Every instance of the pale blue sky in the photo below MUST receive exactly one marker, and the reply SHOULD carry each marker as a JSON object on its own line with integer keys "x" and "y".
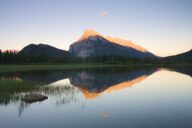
{"x": 164, "y": 27}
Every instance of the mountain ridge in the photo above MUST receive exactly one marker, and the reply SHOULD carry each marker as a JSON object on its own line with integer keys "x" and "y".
{"x": 185, "y": 57}
{"x": 92, "y": 43}
{"x": 43, "y": 49}
{"x": 90, "y": 32}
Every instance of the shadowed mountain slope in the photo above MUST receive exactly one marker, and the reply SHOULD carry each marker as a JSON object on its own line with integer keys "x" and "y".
{"x": 42, "y": 49}
{"x": 92, "y": 43}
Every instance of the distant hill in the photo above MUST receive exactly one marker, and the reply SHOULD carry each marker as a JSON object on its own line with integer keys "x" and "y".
{"x": 185, "y": 57}
{"x": 42, "y": 49}
{"x": 94, "y": 44}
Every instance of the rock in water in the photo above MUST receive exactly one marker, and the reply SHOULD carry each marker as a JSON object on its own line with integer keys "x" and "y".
{"x": 34, "y": 97}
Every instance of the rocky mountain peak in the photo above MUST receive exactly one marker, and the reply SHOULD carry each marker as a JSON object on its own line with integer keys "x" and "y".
{"x": 89, "y": 33}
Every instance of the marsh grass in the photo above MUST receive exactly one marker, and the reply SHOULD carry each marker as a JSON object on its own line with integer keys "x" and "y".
{"x": 13, "y": 86}
{"x": 10, "y": 90}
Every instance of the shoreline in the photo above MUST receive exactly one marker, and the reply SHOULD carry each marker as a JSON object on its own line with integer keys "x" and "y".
{"x": 30, "y": 67}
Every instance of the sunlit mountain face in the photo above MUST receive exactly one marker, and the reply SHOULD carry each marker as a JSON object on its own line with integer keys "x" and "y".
{"x": 91, "y": 33}
{"x": 92, "y": 44}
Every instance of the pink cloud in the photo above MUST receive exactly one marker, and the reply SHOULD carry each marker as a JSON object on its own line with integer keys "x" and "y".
{"x": 104, "y": 13}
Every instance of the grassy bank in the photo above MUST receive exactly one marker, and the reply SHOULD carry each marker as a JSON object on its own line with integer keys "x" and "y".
{"x": 10, "y": 90}
{"x": 14, "y": 86}
{"x": 14, "y": 68}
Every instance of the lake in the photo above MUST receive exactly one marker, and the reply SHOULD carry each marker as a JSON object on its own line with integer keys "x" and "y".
{"x": 142, "y": 97}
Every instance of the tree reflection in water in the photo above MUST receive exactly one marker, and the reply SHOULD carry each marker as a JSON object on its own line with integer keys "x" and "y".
{"x": 64, "y": 87}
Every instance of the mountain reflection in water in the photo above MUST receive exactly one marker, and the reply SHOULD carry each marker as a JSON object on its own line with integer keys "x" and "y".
{"x": 94, "y": 83}
{"x": 64, "y": 86}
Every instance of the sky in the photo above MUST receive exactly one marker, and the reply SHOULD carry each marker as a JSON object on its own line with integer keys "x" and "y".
{"x": 163, "y": 27}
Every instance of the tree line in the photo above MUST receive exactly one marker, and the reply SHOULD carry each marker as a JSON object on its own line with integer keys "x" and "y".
{"x": 13, "y": 57}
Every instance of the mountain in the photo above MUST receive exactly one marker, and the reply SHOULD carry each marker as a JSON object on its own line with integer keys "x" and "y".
{"x": 187, "y": 54}
{"x": 42, "y": 49}
{"x": 93, "y": 43}
{"x": 185, "y": 57}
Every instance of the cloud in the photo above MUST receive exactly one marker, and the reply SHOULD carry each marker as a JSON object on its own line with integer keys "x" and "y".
{"x": 104, "y": 13}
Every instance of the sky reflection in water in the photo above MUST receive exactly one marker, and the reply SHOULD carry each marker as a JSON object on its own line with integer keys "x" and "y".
{"x": 141, "y": 97}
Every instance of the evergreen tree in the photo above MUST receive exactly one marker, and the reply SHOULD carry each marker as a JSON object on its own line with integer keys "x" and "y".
{"x": 0, "y": 56}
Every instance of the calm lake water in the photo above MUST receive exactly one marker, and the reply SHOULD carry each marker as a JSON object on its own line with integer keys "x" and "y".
{"x": 99, "y": 98}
